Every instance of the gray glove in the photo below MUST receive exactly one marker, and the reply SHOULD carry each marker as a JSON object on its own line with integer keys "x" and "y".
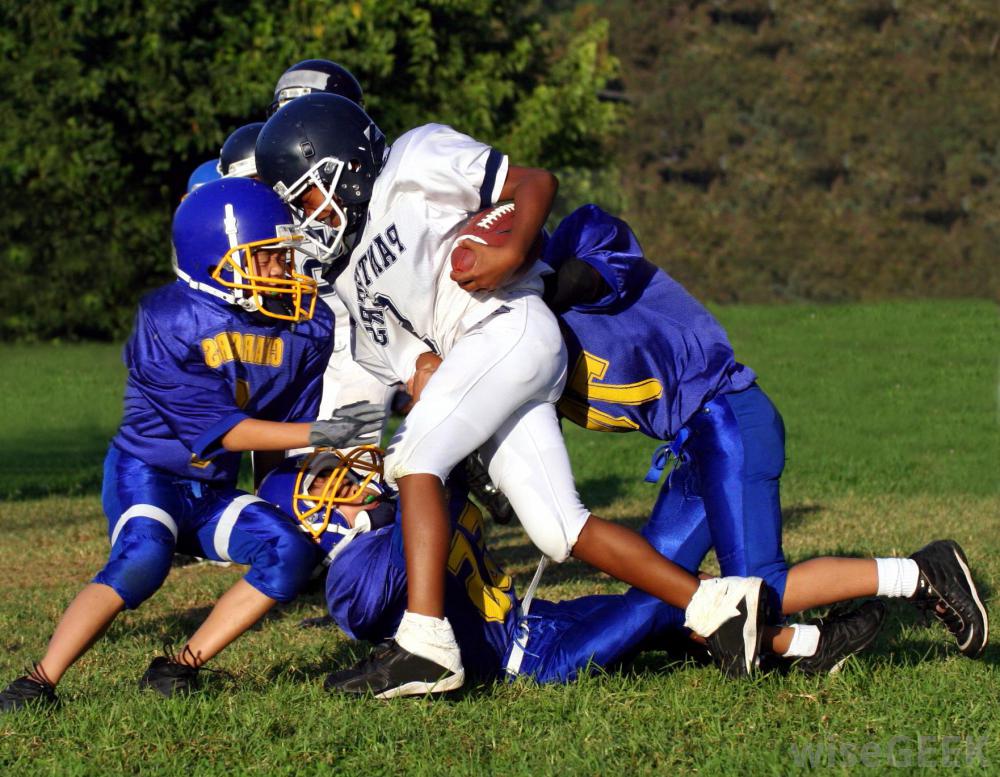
{"x": 354, "y": 424}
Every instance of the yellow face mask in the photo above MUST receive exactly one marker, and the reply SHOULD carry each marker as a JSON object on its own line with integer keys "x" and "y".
{"x": 295, "y": 293}
{"x": 328, "y": 478}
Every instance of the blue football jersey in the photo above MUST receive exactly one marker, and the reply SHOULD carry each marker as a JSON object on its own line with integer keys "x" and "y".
{"x": 366, "y": 589}
{"x": 198, "y": 366}
{"x": 647, "y": 355}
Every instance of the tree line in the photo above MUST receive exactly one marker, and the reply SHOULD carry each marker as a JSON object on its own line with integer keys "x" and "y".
{"x": 763, "y": 151}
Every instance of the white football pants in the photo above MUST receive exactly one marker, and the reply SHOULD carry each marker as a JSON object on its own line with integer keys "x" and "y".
{"x": 496, "y": 390}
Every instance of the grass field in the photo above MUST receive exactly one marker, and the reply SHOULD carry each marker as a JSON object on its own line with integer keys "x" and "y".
{"x": 893, "y": 440}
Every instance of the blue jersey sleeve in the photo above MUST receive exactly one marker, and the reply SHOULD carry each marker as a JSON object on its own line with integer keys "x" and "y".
{"x": 605, "y": 243}
{"x": 194, "y": 401}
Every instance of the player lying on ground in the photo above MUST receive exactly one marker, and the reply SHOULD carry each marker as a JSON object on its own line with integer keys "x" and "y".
{"x": 648, "y": 357}
{"x": 351, "y": 514}
{"x": 504, "y": 360}
{"x": 227, "y": 358}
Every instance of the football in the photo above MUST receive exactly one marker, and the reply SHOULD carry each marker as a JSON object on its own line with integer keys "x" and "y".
{"x": 490, "y": 226}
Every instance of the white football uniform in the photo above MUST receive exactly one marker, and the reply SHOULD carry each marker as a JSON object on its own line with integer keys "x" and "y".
{"x": 504, "y": 359}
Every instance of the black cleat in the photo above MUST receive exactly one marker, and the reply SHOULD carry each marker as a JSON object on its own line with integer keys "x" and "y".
{"x": 946, "y": 587}
{"x": 735, "y": 645}
{"x": 485, "y": 492}
{"x": 26, "y": 691}
{"x": 170, "y": 678}
{"x": 392, "y": 671}
{"x": 842, "y": 636}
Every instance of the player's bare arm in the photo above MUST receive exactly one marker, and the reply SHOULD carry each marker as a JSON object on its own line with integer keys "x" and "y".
{"x": 532, "y": 190}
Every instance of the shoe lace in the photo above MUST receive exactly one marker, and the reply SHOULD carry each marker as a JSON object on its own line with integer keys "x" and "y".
{"x": 38, "y": 675}
{"x": 178, "y": 664}
{"x": 936, "y": 605}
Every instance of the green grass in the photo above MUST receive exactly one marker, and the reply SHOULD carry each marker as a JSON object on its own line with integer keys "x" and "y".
{"x": 892, "y": 441}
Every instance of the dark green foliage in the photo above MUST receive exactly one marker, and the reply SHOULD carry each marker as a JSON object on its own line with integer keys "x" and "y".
{"x": 108, "y": 105}
{"x": 820, "y": 150}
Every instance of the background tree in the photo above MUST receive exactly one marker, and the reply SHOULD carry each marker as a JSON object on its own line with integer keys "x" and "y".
{"x": 109, "y": 104}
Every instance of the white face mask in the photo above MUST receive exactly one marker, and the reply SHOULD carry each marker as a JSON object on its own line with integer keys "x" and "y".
{"x": 323, "y": 242}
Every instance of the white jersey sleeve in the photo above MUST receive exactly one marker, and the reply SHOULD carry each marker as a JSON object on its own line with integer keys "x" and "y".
{"x": 453, "y": 171}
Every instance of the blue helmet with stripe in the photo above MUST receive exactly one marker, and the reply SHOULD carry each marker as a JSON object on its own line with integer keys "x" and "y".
{"x": 234, "y": 239}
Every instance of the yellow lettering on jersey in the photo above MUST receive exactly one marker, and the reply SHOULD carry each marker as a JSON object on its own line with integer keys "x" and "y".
{"x": 211, "y": 350}
{"x": 487, "y": 588}
{"x": 245, "y": 347}
{"x": 225, "y": 346}
{"x": 584, "y": 387}
{"x": 275, "y": 351}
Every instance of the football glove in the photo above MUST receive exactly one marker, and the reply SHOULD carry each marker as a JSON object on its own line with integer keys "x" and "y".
{"x": 354, "y": 424}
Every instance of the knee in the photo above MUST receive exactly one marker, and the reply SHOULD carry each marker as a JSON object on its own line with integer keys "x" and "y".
{"x": 555, "y": 538}
{"x": 281, "y": 565}
{"x": 138, "y": 565}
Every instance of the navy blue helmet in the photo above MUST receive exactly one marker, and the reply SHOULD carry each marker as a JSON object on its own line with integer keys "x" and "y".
{"x": 328, "y": 142}
{"x": 315, "y": 75}
{"x": 236, "y": 158}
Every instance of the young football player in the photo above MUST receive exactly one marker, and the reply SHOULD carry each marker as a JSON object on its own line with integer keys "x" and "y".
{"x": 504, "y": 364}
{"x": 644, "y": 352}
{"x": 342, "y": 503}
{"x": 227, "y": 358}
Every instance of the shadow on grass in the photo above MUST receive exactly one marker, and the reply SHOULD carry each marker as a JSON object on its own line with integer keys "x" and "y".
{"x": 173, "y": 629}
{"x": 69, "y": 465}
{"x": 794, "y": 515}
{"x": 602, "y": 490}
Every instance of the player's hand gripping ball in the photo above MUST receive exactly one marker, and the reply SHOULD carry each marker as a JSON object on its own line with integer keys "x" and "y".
{"x": 490, "y": 227}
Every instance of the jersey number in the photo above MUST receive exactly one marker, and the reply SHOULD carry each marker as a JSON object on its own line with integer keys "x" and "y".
{"x": 488, "y": 588}
{"x": 584, "y": 386}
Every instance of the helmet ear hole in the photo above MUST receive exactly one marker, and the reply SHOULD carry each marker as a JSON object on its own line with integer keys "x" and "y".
{"x": 354, "y": 165}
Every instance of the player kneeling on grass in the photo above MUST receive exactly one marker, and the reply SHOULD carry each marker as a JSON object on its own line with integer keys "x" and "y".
{"x": 228, "y": 358}
{"x": 340, "y": 501}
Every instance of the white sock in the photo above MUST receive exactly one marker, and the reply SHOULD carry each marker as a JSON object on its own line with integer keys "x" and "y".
{"x": 897, "y": 576}
{"x": 430, "y": 638}
{"x": 805, "y": 641}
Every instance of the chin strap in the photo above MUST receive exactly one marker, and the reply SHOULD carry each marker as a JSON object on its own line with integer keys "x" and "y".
{"x": 362, "y": 524}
